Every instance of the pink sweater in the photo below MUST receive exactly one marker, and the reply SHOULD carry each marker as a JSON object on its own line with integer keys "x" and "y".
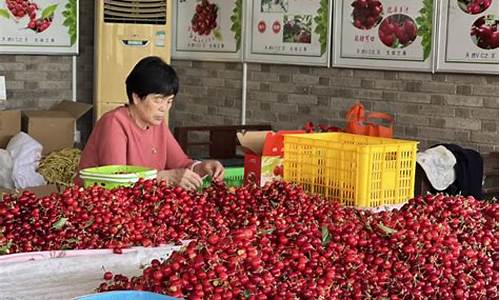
{"x": 117, "y": 140}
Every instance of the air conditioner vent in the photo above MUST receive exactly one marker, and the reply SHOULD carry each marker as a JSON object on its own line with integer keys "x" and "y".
{"x": 135, "y": 11}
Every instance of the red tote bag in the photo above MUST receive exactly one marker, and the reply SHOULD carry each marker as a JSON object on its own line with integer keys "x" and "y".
{"x": 377, "y": 124}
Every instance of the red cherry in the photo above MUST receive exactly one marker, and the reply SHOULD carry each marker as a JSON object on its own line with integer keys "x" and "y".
{"x": 108, "y": 276}
{"x": 387, "y": 39}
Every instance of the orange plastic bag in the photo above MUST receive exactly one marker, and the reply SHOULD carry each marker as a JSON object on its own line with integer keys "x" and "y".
{"x": 371, "y": 124}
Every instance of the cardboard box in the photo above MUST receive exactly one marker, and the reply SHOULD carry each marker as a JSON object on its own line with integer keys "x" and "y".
{"x": 54, "y": 128}
{"x": 10, "y": 125}
{"x": 39, "y": 191}
{"x": 263, "y": 154}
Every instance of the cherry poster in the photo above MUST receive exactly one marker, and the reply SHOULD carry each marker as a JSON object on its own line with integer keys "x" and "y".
{"x": 39, "y": 26}
{"x": 288, "y": 31}
{"x": 207, "y": 29}
{"x": 468, "y": 36}
{"x": 384, "y": 34}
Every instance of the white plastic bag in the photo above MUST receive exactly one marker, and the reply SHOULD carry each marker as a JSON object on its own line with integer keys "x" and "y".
{"x": 6, "y": 170}
{"x": 26, "y": 153}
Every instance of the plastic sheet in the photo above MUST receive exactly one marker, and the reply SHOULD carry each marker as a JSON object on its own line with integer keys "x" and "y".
{"x": 69, "y": 274}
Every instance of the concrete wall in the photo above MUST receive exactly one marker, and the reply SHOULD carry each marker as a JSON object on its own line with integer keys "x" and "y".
{"x": 455, "y": 108}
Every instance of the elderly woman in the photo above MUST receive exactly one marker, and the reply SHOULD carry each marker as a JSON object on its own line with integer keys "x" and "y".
{"x": 136, "y": 134}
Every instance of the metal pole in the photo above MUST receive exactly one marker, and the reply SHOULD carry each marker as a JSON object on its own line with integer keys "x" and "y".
{"x": 73, "y": 78}
{"x": 244, "y": 96}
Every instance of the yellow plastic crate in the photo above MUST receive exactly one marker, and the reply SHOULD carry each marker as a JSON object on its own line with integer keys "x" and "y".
{"x": 357, "y": 170}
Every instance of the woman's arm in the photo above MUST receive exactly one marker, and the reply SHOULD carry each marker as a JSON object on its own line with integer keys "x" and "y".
{"x": 178, "y": 164}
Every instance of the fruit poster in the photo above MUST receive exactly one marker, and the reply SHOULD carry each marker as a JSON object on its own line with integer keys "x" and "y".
{"x": 468, "y": 36}
{"x": 288, "y": 31}
{"x": 39, "y": 26}
{"x": 208, "y": 29}
{"x": 384, "y": 34}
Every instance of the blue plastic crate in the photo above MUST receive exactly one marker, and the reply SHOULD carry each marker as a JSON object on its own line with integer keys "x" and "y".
{"x": 125, "y": 295}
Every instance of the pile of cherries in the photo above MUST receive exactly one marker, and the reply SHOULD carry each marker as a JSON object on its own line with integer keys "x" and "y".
{"x": 271, "y": 242}
{"x": 147, "y": 214}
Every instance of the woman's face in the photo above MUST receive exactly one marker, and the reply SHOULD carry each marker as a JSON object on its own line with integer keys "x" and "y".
{"x": 152, "y": 109}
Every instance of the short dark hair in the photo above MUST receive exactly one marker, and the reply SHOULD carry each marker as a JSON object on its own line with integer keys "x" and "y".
{"x": 152, "y": 75}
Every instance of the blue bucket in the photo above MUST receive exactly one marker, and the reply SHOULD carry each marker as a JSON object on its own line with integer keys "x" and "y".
{"x": 126, "y": 295}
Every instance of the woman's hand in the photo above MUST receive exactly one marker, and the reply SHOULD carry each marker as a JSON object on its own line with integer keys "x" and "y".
{"x": 184, "y": 178}
{"x": 212, "y": 168}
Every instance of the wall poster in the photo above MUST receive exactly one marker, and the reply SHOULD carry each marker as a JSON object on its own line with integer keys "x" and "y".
{"x": 207, "y": 29}
{"x": 39, "y": 27}
{"x": 384, "y": 34}
{"x": 288, "y": 31}
{"x": 468, "y": 36}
